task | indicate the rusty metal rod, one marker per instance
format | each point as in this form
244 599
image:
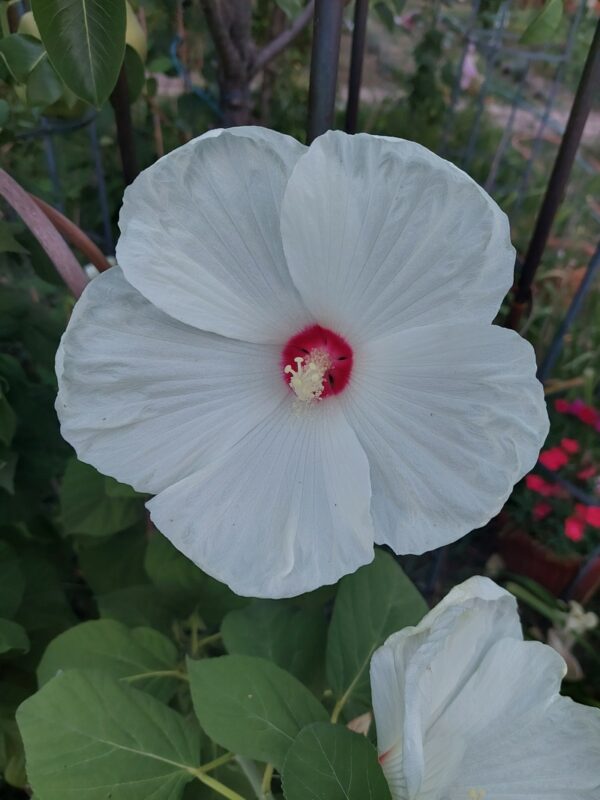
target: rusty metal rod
588 88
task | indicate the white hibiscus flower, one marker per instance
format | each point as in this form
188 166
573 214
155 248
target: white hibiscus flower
466 710
296 356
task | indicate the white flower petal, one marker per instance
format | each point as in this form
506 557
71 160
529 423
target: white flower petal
284 511
200 235
451 417
382 235
428 664
555 755
149 400
465 710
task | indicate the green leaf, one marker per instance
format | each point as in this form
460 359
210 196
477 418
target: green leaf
8 420
251 706
292 638
85 40
86 507
44 87
44 606
291 8
371 604
111 564
545 23
8 243
184 587
135 606
12 637
329 762
4 110
111 647
12 581
8 467
20 54
88 735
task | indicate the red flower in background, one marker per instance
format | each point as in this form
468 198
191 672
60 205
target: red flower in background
570 446
562 406
593 516
574 528
541 510
587 473
537 484
554 458
589 514
588 415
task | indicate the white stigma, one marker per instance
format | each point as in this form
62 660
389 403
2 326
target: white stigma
307 381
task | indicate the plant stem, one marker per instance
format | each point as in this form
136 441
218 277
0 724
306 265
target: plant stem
217 762
266 781
161 673
214 784
208 640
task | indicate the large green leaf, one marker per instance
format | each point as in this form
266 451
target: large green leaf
21 54
88 735
44 606
329 762
184 587
251 706
545 23
13 637
107 645
135 606
85 40
12 582
291 638
116 563
371 604
44 87
88 509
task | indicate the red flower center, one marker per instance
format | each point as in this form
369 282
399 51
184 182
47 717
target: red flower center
316 363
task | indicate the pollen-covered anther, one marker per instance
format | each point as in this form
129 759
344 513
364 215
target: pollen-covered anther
308 379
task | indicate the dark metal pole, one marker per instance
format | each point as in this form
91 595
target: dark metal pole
576 303
120 102
359 38
327 32
586 91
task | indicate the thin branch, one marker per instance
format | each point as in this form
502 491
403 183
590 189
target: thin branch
44 231
228 54
74 235
274 48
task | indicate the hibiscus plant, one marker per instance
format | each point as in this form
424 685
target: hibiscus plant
290 379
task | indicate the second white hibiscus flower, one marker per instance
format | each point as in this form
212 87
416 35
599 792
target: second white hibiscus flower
296 356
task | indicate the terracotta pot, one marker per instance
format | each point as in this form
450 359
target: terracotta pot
526 556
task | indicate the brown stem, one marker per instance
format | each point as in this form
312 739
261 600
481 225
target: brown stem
44 231
275 47
74 235
229 57
269 76
120 102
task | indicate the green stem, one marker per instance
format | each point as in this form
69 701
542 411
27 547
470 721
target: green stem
217 762
161 673
266 782
194 623
214 784
208 640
